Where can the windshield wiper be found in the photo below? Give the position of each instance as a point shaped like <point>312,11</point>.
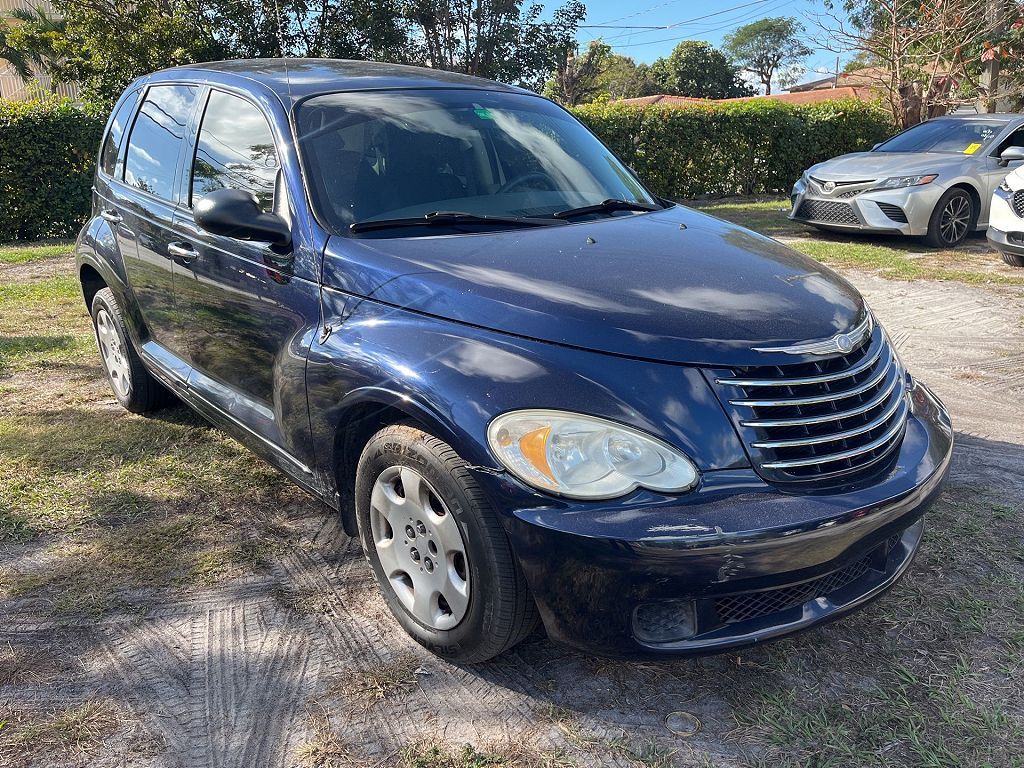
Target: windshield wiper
<point>437,218</point>
<point>608,206</point>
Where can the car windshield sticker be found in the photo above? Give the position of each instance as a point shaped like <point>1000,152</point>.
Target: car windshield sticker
<point>972,148</point>
<point>482,112</point>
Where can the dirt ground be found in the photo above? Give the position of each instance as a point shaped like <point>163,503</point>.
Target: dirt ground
<point>296,661</point>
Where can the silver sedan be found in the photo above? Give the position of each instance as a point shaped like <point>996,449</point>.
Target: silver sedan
<point>934,180</point>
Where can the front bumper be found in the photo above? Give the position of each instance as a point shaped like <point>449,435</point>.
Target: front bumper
<point>894,211</point>
<point>735,542</point>
<point>1005,227</point>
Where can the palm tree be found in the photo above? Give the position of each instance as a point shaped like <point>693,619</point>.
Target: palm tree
<point>33,51</point>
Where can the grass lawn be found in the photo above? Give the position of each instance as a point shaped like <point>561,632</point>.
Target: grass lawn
<point>21,253</point>
<point>894,257</point>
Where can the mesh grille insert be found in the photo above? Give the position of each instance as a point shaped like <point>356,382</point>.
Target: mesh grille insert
<point>756,604</point>
<point>827,212</point>
<point>1018,203</point>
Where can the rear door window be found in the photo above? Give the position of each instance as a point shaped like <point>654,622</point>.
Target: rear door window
<point>235,150</point>
<point>156,138</point>
<point>112,143</point>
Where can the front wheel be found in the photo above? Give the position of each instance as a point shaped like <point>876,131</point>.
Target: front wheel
<point>951,220</point>
<point>437,549</point>
<point>1013,259</point>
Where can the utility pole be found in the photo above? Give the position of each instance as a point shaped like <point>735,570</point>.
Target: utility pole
<point>995,18</point>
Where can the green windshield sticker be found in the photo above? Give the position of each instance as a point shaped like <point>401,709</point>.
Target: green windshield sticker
<point>483,113</point>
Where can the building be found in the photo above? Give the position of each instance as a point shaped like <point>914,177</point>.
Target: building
<point>793,97</point>
<point>11,85</point>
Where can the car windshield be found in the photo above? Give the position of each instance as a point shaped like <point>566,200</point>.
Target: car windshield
<point>953,136</point>
<point>401,154</point>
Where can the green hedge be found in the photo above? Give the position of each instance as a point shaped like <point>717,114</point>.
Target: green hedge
<point>48,151</point>
<point>48,154</point>
<point>749,147</point>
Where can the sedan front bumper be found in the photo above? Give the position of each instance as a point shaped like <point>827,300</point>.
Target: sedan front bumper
<point>734,563</point>
<point>903,211</point>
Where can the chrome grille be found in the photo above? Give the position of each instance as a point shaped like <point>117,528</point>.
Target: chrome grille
<point>828,418</point>
<point>827,212</point>
<point>1018,203</point>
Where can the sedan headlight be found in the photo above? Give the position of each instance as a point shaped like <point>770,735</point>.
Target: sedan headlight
<point>898,182</point>
<point>585,457</point>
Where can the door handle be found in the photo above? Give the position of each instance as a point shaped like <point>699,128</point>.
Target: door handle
<point>183,251</point>
<point>112,216</point>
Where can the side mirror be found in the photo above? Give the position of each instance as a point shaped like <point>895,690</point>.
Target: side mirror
<point>1011,154</point>
<point>237,214</point>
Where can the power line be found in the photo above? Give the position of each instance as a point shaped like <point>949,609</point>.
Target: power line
<point>704,31</point>
<point>700,18</point>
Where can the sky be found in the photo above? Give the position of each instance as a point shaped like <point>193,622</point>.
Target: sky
<point>707,20</point>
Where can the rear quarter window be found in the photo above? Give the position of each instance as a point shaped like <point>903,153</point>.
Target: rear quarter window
<point>156,138</point>
<point>112,142</point>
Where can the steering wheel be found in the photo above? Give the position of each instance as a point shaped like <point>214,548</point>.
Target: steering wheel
<point>522,179</point>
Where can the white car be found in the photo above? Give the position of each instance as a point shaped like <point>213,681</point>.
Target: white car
<point>1006,218</point>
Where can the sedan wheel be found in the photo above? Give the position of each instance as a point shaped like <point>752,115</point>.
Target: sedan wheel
<point>951,220</point>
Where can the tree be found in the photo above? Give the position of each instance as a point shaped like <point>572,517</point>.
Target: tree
<point>622,78</point>
<point>576,77</point>
<point>30,40</point>
<point>926,55</point>
<point>695,68</point>
<point>108,43</point>
<point>498,39</point>
<point>763,47</point>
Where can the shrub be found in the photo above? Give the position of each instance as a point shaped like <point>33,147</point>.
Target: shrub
<point>48,152</point>
<point>747,147</point>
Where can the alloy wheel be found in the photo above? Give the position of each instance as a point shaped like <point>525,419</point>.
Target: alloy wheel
<point>955,219</point>
<point>112,351</point>
<point>420,548</point>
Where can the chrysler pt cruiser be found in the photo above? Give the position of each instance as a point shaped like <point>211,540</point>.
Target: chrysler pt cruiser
<point>532,388</point>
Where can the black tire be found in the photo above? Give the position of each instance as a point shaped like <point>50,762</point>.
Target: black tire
<point>501,611</point>
<point>1013,259</point>
<point>952,219</point>
<point>141,393</point>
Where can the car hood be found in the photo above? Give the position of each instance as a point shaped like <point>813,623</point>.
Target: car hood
<point>673,285</point>
<point>866,166</point>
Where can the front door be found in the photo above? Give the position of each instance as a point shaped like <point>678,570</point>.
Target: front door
<point>147,200</point>
<point>248,318</point>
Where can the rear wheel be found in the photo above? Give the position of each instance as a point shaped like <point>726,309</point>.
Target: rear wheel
<point>135,389</point>
<point>1013,259</point>
<point>952,219</point>
<point>438,552</point>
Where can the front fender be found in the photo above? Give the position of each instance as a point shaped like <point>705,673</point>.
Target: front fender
<point>454,379</point>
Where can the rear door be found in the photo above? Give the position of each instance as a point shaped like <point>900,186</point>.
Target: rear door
<point>146,201</point>
<point>247,316</point>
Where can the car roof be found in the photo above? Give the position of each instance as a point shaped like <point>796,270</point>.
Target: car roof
<point>295,79</point>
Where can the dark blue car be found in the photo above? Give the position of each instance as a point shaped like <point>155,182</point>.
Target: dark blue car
<point>534,390</point>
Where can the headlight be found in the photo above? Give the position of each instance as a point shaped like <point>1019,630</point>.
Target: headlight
<point>1004,186</point>
<point>585,457</point>
<point>897,182</point>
